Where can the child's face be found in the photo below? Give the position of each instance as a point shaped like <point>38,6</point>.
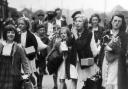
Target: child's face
<point>56,30</point>
<point>64,34</point>
<point>41,31</point>
<point>10,35</point>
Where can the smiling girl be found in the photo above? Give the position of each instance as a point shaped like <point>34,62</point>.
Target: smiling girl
<point>12,56</point>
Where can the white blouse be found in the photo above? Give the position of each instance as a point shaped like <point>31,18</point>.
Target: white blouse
<point>7,49</point>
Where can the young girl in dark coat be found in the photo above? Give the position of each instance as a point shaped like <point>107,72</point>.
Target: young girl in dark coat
<point>66,68</point>
<point>40,62</point>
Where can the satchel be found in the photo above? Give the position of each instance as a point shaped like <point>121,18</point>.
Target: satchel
<point>54,61</point>
<point>55,54</point>
<point>94,82</point>
<point>86,62</point>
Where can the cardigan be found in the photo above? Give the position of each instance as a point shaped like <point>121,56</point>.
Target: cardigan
<point>31,41</point>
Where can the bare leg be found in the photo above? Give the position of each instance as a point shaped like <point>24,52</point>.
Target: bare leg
<point>55,81</point>
<point>62,84</point>
<point>73,84</point>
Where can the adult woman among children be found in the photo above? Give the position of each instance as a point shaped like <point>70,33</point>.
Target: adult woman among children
<point>83,47</point>
<point>31,43</point>
<point>114,63</point>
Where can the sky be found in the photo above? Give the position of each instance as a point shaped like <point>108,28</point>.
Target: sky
<point>98,5</point>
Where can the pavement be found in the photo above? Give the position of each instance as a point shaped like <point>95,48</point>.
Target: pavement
<point>48,83</point>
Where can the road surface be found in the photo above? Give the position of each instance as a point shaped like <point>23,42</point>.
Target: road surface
<point>48,83</point>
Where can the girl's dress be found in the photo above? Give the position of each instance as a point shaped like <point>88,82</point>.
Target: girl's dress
<point>62,69</point>
<point>6,69</point>
<point>110,68</point>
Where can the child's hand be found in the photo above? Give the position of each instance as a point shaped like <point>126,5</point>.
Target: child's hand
<point>98,43</point>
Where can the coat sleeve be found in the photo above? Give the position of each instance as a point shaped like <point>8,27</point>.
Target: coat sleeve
<point>24,61</point>
<point>83,41</point>
<point>41,45</point>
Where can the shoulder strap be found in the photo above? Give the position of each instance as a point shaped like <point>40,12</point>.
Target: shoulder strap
<point>14,47</point>
<point>1,48</point>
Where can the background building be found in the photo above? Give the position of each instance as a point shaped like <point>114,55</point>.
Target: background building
<point>3,9</point>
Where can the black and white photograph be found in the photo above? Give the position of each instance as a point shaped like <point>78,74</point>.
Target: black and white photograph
<point>63,44</point>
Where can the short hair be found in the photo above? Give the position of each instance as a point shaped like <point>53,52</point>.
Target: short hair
<point>69,35</point>
<point>26,20</point>
<point>67,31</point>
<point>81,16</point>
<point>56,26</point>
<point>41,26</point>
<point>42,13</point>
<point>95,15</point>
<point>50,15</point>
<point>75,13</point>
<point>58,9</point>
<point>10,28</point>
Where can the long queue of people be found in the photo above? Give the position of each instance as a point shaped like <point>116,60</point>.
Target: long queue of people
<point>91,54</point>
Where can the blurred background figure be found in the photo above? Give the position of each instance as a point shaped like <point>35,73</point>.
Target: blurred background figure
<point>60,19</point>
<point>50,22</point>
<point>41,62</point>
<point>40,20</point>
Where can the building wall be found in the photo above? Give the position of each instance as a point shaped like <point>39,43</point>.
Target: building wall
<point>3,9</point>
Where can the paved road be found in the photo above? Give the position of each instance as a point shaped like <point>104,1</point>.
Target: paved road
<point>48,82</point>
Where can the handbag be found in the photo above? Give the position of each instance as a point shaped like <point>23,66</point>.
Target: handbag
<point>94,82</point>
<point>54,61</point>
<point>86,62</point>
<point>55,54</point>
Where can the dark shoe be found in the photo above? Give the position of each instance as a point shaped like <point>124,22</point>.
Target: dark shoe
<point>83,87</point>
<point>45,73</point>
<point>39,88</point>
<point>54,87</point>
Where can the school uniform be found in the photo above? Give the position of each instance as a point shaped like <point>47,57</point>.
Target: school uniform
<point>12,57</point>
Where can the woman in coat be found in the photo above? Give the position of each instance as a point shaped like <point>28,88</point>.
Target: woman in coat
<point>12,57</point>
<point>67,69</point>
<point>31,43</point>
<point>66,62</point>
<point>114,62</point>
<point>83,38</point>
